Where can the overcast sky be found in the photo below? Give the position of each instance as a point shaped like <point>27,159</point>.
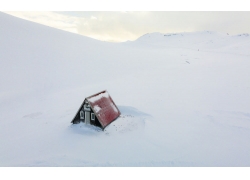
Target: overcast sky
<point>122,26</point>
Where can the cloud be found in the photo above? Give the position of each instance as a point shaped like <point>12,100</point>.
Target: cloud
<point>123,26</point>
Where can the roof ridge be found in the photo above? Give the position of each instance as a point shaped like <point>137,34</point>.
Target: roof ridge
<point>96,94</point>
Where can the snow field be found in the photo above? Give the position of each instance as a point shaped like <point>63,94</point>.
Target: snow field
<point>184,98</point>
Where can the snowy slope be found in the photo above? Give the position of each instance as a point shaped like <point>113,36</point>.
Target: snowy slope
<point>184,98</point>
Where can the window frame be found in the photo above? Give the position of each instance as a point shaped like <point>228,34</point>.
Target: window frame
<point>92,116</point>
<point>82,114</point>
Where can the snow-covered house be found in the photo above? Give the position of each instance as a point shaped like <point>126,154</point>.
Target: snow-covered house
<point>98,109</point>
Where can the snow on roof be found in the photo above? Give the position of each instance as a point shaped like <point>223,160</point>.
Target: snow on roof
<point>104,107</point>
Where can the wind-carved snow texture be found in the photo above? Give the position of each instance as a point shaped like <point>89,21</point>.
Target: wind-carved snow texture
<point>184,98</point>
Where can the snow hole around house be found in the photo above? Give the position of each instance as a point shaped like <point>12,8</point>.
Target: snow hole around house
<point>131,119</point>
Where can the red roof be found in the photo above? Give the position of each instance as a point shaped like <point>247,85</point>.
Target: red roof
<point>104,108</point>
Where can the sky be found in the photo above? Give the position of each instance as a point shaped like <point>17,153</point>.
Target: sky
<point>118,22</point>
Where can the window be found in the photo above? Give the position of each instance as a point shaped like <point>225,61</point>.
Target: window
<point>81,115</point>
<point>92,116</point>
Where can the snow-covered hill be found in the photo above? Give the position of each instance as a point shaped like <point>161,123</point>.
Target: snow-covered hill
<point>204,40</point>
<point>184,98</point>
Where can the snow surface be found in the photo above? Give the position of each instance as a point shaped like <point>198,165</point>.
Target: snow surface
<point>184,98</point>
